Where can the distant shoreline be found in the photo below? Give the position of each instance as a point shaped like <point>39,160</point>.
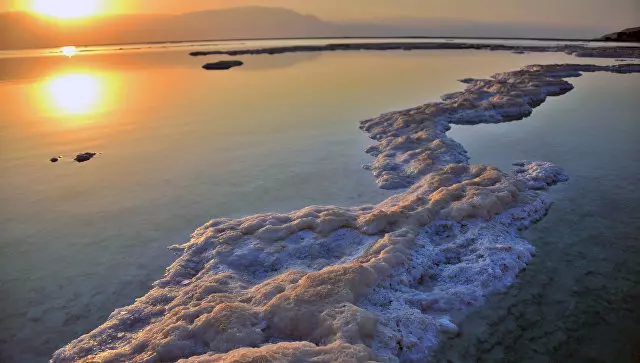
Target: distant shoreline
<point>319,38</point>
<point>573,49</point>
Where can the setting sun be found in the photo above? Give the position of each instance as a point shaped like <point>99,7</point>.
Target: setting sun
<point>67,9</point>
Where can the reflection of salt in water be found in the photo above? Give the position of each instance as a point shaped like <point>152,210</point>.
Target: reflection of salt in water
<point>74,93</point>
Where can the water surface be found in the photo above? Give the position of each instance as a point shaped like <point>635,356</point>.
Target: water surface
<point>178,146</point>
<point>577,300</point>
<point>265,43</point>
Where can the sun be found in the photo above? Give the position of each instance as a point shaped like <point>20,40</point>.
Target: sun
<point>66,9</point>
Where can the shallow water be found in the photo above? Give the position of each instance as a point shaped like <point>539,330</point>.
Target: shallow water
<point>251,44</point>
<point>577,300</point>
<point>178,146</point>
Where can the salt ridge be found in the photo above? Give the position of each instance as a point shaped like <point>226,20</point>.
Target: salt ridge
<point>369,283</point>
<point>413,142</point>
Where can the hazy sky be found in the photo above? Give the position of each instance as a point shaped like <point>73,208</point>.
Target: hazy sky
<point>607,13</point>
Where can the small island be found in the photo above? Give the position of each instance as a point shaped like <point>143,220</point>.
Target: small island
<point>222,65</point>
<point>84,157</point>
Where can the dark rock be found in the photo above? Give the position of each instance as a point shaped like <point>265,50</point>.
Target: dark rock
<point>81,158</point>
<point>54,160</point>
<point>626,35</point>
<point>578,50</point>
<point>222,65</point>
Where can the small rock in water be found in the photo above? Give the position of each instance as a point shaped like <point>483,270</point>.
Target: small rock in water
<point>222,65</point>
<point>81,158</point>
<point>467,80</point>
<point>55,160</point>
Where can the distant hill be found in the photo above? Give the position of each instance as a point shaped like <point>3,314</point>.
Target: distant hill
<point>444,27</point>
<point>23,30</point>
<point>626,35</point>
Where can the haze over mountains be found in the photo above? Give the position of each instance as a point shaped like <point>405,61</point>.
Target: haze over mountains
<point>23,30</point>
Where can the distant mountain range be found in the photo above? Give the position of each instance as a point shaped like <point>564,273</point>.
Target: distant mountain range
<point>23,30</point>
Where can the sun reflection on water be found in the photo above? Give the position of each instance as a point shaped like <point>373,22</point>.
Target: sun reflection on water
<point>74,93</point>
<point>77,98</point>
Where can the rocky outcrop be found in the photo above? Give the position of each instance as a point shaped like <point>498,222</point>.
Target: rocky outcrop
<point>626,35</point>
<point>84,157</point>
<point>222,65</point>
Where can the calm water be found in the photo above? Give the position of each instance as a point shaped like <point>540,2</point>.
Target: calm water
<point>178,146</point>
<point>578,299</point>
<point>250,44</point>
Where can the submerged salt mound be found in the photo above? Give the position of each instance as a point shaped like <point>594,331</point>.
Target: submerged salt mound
<point>605,52</point>
<point>538,174</point>
<point>413,142</point>
<point>358,284</point>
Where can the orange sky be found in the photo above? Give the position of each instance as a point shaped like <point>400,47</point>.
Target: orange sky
<point>621,13</point>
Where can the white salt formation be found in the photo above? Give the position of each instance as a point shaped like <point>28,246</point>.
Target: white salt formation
<point>362,284</point>
<point>413,143</point>
<point>377,282</point>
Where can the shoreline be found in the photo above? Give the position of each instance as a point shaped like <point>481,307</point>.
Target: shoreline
<point>319,38</point>
<point>578,51</point>
<point>408,234</point>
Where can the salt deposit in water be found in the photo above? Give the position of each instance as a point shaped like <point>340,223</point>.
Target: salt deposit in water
<point>369,283</point>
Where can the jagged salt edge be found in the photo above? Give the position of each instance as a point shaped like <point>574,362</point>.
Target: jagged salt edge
<point>413,322</point>
<point>413,143</point>
<point>393,340</point>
